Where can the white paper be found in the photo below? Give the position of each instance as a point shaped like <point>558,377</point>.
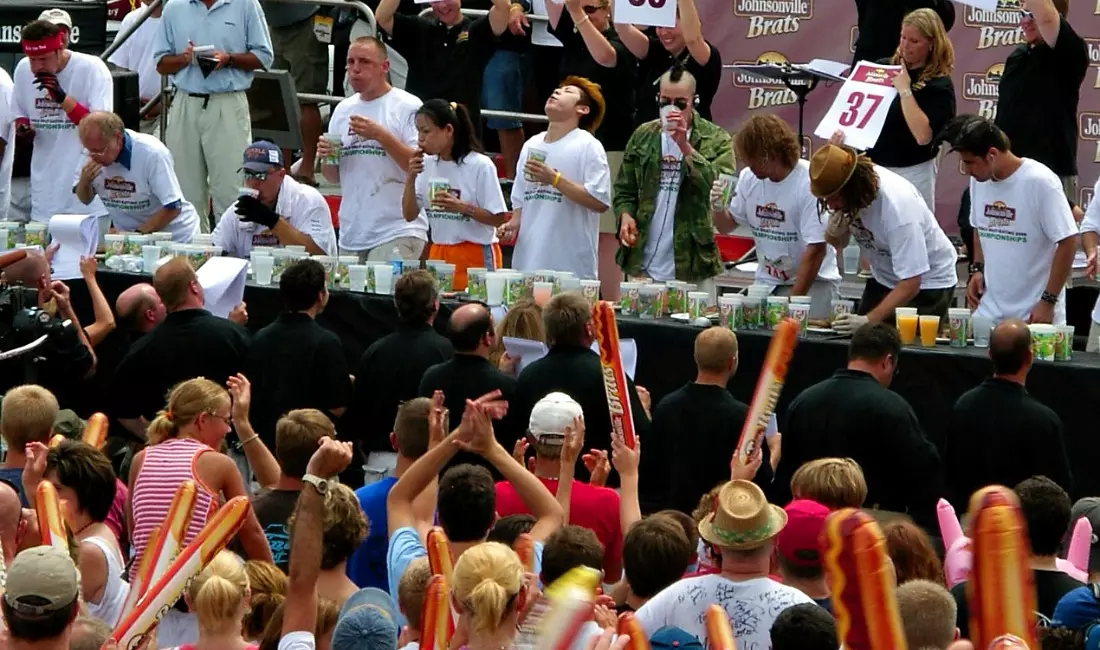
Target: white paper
<point>860,107</point>
<point>987,5</point>
<point>826,67</point>
<point>526,352</point>
<point>658,13</point>
<point>77,235</point>
<point>222,280</point>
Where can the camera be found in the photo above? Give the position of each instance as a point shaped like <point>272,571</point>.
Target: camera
<point>22,321</point>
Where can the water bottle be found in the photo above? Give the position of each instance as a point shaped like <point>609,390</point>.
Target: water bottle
<point>851,259</point>
<point>396,262</point>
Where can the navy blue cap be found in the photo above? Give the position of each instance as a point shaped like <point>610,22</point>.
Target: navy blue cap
<point>1078,609</point>
<point>261,156</point>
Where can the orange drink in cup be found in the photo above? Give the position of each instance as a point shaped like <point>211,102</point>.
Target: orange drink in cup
<point>906,320</point>
<point>929,329</point>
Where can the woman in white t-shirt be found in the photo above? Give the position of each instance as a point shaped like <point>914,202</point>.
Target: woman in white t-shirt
<point>457,187</point>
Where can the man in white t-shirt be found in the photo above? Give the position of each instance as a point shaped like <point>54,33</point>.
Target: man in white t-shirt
<point>772,197</point>
<point>376,129</point>
<point>132,173</point>
<point>1090,239</point>
<point>1024,233</point>
<point>7,141</point>
<point>565,187</point>
<point>742,527</point>
<point>284,212</point>
<point>912,261</point>
<point>136,54</point>
<point>54,89</point>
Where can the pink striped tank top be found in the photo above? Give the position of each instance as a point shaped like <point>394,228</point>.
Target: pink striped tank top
<point>165,467</point>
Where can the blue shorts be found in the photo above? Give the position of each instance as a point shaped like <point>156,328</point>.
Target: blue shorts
<point>502,87</point>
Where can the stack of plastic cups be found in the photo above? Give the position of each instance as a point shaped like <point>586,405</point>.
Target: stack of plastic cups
<point>755,307</point>
<point>958,326</point>
<point>778,309</point>
<point>799,309</point>
<point>628,298</point>
<point>729,310</point>
<point>494,288</point>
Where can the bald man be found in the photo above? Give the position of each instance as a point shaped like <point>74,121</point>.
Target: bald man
<point>469,375</point>
<point>695,431</point>
<point>999,433</point>
<point>140,308</point>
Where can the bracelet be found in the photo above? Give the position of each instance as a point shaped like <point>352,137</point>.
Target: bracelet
<point>580,22</point>
<point>557,179</point>
<point>516,8</point>
<point>1049,297</point>
<point>249,439</point>
<point>906,93</point>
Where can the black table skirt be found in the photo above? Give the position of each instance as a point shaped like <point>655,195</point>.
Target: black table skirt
<point>930,379</point>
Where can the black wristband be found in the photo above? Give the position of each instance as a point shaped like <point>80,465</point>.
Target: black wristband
<point>976,267</point>
<point>1047,296</point>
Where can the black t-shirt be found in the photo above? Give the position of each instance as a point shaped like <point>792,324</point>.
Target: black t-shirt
<point>1050,586</point>
<point>657,61</point>
<point>295,363</point>
<point>879,24</point>
<point>389,373</point>
<point>1038,96</point>
<point>896,146</point>
<point>445,62</point>
<point>273,509</point>
<point>617,84</point>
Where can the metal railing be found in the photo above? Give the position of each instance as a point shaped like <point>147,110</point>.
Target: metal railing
<point>310,98</point>
<point>122,37</point>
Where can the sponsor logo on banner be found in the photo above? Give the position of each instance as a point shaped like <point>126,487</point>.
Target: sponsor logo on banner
<point>764,92</point>
<point>773,17</point>
<point>1089,127</point>
<point>1093,45</point>
<point>996,28</point>
<point>983,88</point>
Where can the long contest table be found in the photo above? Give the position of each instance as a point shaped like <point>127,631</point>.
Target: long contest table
<point>930,379</point>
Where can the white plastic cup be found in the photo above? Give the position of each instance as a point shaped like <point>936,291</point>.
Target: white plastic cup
<point>800,311</point>
<point>905,311</point>
<point>357,277</point>
<point>958,326</point>
<point>446,274</point>
<point>542,292</point>
<point>295,248</point>
<point>115,244</point>
<point>698,301</point>
<point>983,327</point>
<point>262,268</point>
<point>203,239</point>
<point>150,255</point>
<point>591,290</point>
<point>778,308</point>
<point>475,282</point>
<point>383,279</point>
<point>851,260</point>
<point>494,288</point>
<point>842,306</point>
<point>1063,342</point>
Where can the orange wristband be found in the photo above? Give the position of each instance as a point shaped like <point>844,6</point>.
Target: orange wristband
<point>557,179</point>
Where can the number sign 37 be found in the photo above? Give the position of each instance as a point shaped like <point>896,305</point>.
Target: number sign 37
<point>861,106</point>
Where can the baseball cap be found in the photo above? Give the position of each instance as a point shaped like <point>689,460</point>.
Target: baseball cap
<point>69,424</point>
<point>59,17</point>
<point>370,596</point>
<point>41,580</point>
<point>364,626</point>
<point>551,415</point>
<point>261,156</point>
<point>799,541</point>
<point>1089,508</point>
<point>673,638</point>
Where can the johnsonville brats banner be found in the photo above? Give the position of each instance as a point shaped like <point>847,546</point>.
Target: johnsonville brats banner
<point>777,31</point>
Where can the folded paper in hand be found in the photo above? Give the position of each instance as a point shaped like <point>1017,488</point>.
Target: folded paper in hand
<point>526,352</point>
<point>222,280</point>
<point>77,235</point>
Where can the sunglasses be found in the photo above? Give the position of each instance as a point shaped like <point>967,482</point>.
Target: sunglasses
<point>591,9</point>
<point>254,176</point>
<point>679,102</point>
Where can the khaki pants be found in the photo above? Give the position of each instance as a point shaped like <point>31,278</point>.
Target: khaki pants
<point>1093,344</point>
<point>207,137</point>
<point>609,272</point>
<point>411,248</point>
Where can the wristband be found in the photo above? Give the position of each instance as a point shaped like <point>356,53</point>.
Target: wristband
<point>76,113</point>
<point>1049,297</point>
<point>244,442</point>
<point>557,179</point>
<point>976,267</point>
<point>906,93</point>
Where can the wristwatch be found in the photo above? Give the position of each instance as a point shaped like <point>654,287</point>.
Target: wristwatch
<point>976,267</point>
<point>318,483</point>
<point>1049,297</point>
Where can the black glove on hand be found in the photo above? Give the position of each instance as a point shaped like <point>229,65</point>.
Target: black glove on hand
<point>48,81</point>
<point>251,210</point>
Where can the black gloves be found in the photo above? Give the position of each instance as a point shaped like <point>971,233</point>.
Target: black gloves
<point>48,81</point>
<point>251,210</point>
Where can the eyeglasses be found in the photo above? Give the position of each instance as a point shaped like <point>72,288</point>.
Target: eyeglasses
<point>591,9</point>
<point>223,418</point>
<point>679,102</point>
<point>250,175</point>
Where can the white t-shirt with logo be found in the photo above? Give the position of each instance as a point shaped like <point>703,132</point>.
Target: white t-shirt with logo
<point>658,255</point>
<point>57,148</point>
<point>136,52</point>
<point>555,233</point>
<point>1091,223</point>
<point>752,606</point>
<point>303,208</point>
<point>1020,221</point>
<point>902,239</point>
<point>784,219</point>
<point>370,212</point>
<point>7,134</point>
<point>131,196</point>
<point>474,181</point>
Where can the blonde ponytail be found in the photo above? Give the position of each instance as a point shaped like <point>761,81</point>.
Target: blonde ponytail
<point>186,401</point>
<point>488,578</point>
<point>218,593</point>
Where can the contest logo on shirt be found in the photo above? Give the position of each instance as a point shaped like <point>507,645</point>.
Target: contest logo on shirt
<point>1089,129</point>
<point>984,88</point>
<point>1093,45</point>
<point>763,91</point>
<point>1000,215</point>
<point>119,187</point>
<point>773,17</point>
<point>770,216</point>
<point>996,28</point>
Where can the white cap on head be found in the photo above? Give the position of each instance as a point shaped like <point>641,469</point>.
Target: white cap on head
<point>59,17</point>
<point>550,417</point>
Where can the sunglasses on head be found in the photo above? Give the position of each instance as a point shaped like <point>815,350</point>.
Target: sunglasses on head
<point>591,9</point>
<point>680,102</point>
<point>254,176</point>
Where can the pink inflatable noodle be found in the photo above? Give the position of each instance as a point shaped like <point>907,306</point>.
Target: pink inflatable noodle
<point>1080,544</point>
<point>950,529</point>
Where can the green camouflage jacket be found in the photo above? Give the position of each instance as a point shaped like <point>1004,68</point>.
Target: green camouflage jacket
<point>635,194</point>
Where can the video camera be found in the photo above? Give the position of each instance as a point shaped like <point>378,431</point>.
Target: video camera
<point>22,321</point>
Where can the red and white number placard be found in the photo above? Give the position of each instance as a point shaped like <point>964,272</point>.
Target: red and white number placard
<point>658,13</point>
<point>860,107</point>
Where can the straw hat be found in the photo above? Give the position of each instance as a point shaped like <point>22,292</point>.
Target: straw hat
<point>831,167</point>
<point>742,519</point>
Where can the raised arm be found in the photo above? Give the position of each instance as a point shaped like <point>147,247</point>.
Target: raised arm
<point>104,318</point>
<point>634,39</point>
<point>384,14</point>
<point>405,507</point>
<point>598,45</point>
<point>692,29</point>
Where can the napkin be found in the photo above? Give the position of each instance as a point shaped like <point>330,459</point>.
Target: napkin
<point>222,280</point>
<point>77,235</point>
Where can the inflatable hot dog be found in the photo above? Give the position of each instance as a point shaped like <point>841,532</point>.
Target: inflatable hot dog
<point>436,623</point>
<point>95,433</point>
<point>525,549</point>
<point>164,549</point>
<point>768,388</point>
<point>1000,592</point>
<point>863,583</point>
<point>439,554</point>
<point>614,376</point>
<point>51,525</point>
<point>630,626</point>
<point>719,631</point>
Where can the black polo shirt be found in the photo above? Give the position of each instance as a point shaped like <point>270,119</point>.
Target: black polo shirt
<point>1038,96</point>
<point>445,62</point>
<point>188,344</point>
<point>295,363</point>
<point>389,373</point>
<point>617,84</point>
<point>658,60</point>
<point>896,146</point>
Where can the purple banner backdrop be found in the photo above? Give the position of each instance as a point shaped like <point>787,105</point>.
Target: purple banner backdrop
<point>761,31</point>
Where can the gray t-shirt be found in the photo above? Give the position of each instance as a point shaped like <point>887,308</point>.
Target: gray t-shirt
<point>284,14</point>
